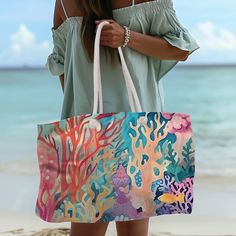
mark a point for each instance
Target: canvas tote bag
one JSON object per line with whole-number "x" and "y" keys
{"x": 115, "y": 166}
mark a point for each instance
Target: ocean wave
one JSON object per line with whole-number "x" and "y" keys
{"x": 24, "y": 167}
{"x": 20, "y": 167}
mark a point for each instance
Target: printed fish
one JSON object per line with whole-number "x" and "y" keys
{"x": 170, "y": 198}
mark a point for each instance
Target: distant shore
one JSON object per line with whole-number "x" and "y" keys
{"x": 181, "y": 65}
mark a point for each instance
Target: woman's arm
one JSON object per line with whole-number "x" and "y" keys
{"x": 112, "y": 35}
{"x": 155, "y": 46}
{"x": 57, "y": 20}
{"x": 61, "y": 77}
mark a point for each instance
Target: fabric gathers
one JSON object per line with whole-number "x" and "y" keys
{"x": 181, "y": 40}
{"x": 178, "y": 35}
{"x": 171, "y": 29}
{"x": 55, "y": 61}
{"x": 55, "y": 64}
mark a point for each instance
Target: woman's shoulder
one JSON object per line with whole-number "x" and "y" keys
{"x": 57, "y": 16}
{"x": 63, "y": 10}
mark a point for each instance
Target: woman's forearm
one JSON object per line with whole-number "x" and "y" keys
{"x": 61, "y": 77}
{"x": 155, "y": 46}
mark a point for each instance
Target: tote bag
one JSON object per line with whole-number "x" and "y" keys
{"x": 115, "y": 166}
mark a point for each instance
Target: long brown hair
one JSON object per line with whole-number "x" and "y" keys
{"x": 95, "y": 10}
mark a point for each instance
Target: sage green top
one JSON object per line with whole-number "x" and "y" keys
{"x": 156, "y": 18}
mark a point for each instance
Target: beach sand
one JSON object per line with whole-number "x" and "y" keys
{"x": 214, "y": 213}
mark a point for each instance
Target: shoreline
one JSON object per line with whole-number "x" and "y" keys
{"x": 186, "y": 65}
{"x": 176, "y": 225}
{"x": 214, "y": 211}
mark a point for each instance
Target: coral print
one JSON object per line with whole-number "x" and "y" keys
{"x": 116, "y": 166}
{"x": 179, "y": 122}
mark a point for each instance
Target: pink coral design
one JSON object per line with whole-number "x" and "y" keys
{"x": 180, "y": 123}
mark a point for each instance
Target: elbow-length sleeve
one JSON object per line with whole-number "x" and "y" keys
{"x": 167, "y": 26}
{"x": 55, "y": 61}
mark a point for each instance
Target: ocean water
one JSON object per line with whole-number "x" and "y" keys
{"x": 29, "y": 97}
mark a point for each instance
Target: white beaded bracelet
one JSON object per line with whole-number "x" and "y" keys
{"x": 127, "y": 36}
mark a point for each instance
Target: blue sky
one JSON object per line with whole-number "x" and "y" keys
{"x": 26, "y": 36}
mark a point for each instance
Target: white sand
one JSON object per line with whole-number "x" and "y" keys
{"x": 214, "y": 213}
{"x": 160, "y": 226}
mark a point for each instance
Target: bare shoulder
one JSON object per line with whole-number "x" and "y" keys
{"x": 69, "y": 8}
{"x": 57, "y": 18}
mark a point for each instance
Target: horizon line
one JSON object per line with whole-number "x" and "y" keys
{"x": 26, "y": 67}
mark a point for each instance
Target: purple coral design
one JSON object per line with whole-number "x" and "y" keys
{"x": 171, "y": 186}
{"x": 123, "y": 205}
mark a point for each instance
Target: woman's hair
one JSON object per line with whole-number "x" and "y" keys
{"x": 93, "y": 10}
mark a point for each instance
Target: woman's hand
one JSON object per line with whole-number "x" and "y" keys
{"x": 112, "y": 34}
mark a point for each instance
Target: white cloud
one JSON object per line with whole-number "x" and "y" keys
{"x": 24, "y": 48}
{"x": 213, "y": 37}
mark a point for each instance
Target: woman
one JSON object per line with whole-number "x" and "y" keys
{"x": 157, "y": 42}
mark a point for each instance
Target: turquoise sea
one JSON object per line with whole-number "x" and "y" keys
{"x": 32, "y": 96}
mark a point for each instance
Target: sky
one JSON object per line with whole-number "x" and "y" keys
{"x": 26, "y": 37}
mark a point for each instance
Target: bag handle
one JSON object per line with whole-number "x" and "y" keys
{"x": 132, "y": 94}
